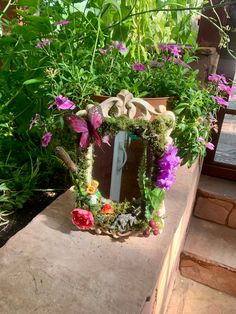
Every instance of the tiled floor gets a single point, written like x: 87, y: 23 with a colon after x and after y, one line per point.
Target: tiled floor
x: 190, y: 297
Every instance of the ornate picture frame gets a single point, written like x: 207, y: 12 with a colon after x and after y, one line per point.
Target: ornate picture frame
x: 96, y: 125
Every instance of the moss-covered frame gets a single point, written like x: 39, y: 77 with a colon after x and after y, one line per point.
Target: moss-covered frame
x: 95, y: 213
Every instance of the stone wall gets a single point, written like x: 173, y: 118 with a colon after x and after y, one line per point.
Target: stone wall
x: 216, y: 209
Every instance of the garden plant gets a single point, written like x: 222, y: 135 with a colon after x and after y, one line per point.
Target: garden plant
x: 55, y: 55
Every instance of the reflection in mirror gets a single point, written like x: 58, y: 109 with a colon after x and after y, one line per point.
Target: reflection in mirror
x: 116, y: 167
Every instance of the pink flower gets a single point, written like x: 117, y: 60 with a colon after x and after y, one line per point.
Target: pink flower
x: 175, y: 51
x: 210, y: 146
x: 221, y: 101
x: 138, y: 67
x: 33, y: 121
x: 103, y: 51
x: 62, y: 22
x: 226, y: 88
x: 121, y: 47
x: 46, y: 139
x: 201, y: 139
x: 44, y: 42
x: 207, y: 145
x: 82, y: 218
x: 217, y: 78
x: 63, y: 103
x: 172, y: 48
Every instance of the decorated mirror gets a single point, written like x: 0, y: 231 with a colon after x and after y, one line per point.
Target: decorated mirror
x: 126, y: 162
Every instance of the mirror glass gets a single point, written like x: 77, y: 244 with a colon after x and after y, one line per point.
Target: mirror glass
x: 116, y: 167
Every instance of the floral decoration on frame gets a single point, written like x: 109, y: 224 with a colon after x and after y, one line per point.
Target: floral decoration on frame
x: 156, y: 173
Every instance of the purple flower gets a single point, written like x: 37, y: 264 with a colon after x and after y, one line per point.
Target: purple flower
x: 138, y: 67
x: 33, y: 121
x: 226, y: 88
x: 207, y: 145
x: 217, y: 78
x: 44, y: 42
x: 165, y: 180
x: 103, y: 51
x: 62, y: 22
x: 172, y: 48
x: 221, y: 101
x: 63, y: 103
x: 175, y: 51
x: 121, y: 47
x: 212, y: 118
x: 210, y: 146
x: 46, y: 139
x: 167, y: 164
x: 201, y: 139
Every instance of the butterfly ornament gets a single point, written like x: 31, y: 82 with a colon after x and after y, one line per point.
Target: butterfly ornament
x: 88, y: 129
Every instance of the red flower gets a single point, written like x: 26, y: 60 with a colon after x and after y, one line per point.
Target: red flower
x: 82, y: 218
x: 107, y: 209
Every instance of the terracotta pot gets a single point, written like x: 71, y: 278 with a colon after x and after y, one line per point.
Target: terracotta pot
x: 160, y: 103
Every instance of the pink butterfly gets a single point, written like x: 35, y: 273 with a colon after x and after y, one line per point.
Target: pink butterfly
x: 87, y: 128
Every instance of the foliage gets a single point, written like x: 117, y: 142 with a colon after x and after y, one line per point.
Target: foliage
x: 163, y: 73
x: 51, y: 48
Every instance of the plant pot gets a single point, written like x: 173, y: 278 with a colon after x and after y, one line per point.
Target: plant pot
x: 160, y: 103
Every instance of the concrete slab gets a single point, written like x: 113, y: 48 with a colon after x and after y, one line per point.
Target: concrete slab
x: 51, y: 267
x: 211, y: 242
x: 217, y: 188
x: 190, y: 297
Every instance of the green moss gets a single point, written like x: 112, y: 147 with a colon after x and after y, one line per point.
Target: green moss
x: 153, y: 134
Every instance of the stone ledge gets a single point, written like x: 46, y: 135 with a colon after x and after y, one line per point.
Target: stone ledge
x: 51, y: 267
x: 209, y: 255
x: 217, y: 188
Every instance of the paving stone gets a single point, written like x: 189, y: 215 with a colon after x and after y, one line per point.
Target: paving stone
x: 212, y: 209
x: 217, y: 188
x: 190, y: 297
x: 232, y: 219
x: 209, y: 255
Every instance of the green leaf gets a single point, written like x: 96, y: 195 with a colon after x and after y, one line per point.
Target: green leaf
x: 34, y: 81
x: 155, y: 197
x: 28, y: 3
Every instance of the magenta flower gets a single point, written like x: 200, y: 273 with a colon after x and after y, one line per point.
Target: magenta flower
x: 221, y: 101
x: 138, y: 67
x: 226, y: 88
x: 201, y: 139
x: 33, y: 121
x: 175, y: 51
x: 103, y: 51
x: 62, y: 22
x: 121, y: 47
x: 42, y: 43
x: 171, y: 48
x: 63, y: 103
x: 167, y: 165
x: 210, y: 146
x: 207, y: 145
x: 217, y: 78
x: 46, y: 139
